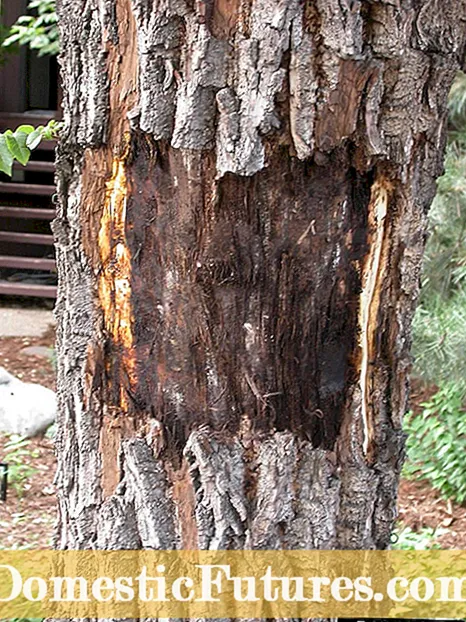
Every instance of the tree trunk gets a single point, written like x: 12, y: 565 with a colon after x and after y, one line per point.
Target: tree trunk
x: 243, y: 193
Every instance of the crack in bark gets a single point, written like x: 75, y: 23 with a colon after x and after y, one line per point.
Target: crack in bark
x: 372, y: 281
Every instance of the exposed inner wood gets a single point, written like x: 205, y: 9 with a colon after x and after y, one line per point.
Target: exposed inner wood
x: 223, y: 280
x: 372, y: 282
x: 115, y: 275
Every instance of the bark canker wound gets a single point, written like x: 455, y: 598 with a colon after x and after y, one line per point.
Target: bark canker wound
x: 238, y: 278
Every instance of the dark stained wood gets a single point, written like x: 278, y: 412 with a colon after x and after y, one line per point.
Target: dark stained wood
x: 245, y: 287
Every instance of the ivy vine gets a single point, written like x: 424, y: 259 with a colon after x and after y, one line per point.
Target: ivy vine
x: 39, y: 31
x: 18, y: 145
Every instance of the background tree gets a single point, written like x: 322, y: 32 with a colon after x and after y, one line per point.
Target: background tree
x: 437, y: 427
x: 440, y: 326
x: 38, y: 29
x: 243, y: 195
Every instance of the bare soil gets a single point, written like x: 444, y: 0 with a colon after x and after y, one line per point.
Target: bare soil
x: 25, y: 366
x: 420, y: 506
x: 27, y: 517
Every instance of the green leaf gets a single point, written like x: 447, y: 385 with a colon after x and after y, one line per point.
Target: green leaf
x: 39, y: 42
x: 52, y: 129
x: 26, y: 129
x: 24, y: 153
x: 437, y: 443
x: 38, y: 31
x: 16, y: 143
x: 11, y: 40
x: 6, y: 159
x: 11, y: 142
x: 35, y: 137
x: 25, y: 19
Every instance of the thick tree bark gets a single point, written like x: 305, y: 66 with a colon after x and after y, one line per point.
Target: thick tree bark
x: 243, y: 193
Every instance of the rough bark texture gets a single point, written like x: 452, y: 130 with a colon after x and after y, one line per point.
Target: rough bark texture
x: 243, y: 194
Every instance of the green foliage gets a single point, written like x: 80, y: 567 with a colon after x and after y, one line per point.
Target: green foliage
x: 38, y: 31
x: 444, y: 270
x: 16, y: 451
x: 18, y: 145
x: 437, y: 437
x: 4, y: 32
x: 440, y: 327
x: 440, y: 340
x: 457, y: 102
x: 423, y: 540
x: 437, y: 442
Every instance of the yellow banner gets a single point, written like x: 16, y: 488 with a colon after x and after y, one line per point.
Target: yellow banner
x: 232, y: 584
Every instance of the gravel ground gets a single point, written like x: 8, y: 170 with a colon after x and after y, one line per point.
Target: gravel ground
x: 24, y: 318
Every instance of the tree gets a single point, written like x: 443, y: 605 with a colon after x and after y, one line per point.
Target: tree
x: 243, y: 190
x: 440, y: 322
x: 39, y: 32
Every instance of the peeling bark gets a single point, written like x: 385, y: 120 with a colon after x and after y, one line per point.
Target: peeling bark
x: 243, y: 194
